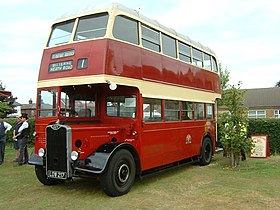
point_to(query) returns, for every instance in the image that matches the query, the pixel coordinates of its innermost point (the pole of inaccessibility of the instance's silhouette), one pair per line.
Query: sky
(243, 34)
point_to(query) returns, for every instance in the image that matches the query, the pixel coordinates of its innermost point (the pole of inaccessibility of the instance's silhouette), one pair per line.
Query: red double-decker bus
(121, 96)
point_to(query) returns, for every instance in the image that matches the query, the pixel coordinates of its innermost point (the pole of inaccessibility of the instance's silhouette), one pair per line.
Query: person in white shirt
(22, 137)
(15, 132)
(4, 128)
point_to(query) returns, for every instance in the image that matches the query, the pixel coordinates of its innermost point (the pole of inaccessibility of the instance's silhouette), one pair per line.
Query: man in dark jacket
(22, 136)
(15, 132)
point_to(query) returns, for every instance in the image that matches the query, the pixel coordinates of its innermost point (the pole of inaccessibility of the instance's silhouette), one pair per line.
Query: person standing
(15, 132)
(22, 135)
(4, 127)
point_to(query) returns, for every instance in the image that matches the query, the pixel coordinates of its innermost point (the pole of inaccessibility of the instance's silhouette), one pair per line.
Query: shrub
(270, 127)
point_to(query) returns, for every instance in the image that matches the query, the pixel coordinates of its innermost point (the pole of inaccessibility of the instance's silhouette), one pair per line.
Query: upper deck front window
(90, 27)
(61, 33)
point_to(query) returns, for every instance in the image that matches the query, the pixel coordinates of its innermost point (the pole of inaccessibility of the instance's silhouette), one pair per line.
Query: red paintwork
(116, 58)
(157, 143)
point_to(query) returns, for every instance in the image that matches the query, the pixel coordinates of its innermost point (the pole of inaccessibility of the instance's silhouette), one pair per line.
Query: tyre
(120, 174)
(42, 176)
(206, 152)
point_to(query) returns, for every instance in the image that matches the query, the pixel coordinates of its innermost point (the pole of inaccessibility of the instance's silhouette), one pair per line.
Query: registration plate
(57, 174)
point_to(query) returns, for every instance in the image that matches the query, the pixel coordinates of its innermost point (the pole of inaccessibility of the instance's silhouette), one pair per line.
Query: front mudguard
(35, 159)
(98, 161)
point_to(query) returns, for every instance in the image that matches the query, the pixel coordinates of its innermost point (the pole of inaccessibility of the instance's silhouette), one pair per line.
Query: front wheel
(206, 152)
(120, 174)
(42, 176)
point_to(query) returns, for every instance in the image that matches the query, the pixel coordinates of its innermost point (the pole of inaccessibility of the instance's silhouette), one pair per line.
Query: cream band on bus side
(148, 89)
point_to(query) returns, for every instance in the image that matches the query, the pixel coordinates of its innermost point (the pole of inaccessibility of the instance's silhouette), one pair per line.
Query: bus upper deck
(119, 45)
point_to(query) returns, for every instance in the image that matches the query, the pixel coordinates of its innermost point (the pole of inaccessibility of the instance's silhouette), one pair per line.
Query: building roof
(16, 104)
(5, 93)
(262, 97)
(28, 106)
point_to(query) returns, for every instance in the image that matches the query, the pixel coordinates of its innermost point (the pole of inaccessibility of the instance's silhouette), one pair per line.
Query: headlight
(41, 152)
(74, 155)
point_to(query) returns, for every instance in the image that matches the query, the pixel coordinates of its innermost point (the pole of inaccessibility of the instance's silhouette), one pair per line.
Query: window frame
(53, 103)
(183, 53)
(198, 111)
(172, 113)
(205, 65)
(150, 40)
(115, 27)
(277, 113)
(151, 103)
(208, 114)
(167, 42)
(197, 58)
(256, 115)
(190, 111)
(71, 23)
(120, 111)
(83, 19)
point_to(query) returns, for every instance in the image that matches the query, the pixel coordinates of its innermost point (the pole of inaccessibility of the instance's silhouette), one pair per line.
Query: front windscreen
(61, 33)
(78, 101)
(47, 103)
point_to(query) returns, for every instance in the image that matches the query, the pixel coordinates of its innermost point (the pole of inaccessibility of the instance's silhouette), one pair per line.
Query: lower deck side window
(187, 110)
(175, 110)
(121, 106)
(152, 110)
(199, 111)
(171, 110)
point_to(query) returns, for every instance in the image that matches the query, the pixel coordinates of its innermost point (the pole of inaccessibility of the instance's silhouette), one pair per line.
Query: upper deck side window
(184, 52)
(169, 46)
(126, 29)
(93, 26)
(61, 33)
(150, 38)
(207, 61)
(197, 57)
(214, 64)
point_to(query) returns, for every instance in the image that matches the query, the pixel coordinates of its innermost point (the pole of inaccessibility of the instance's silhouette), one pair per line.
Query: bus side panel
(124, 60)
(134, 62)
(165, 143)
(151, 146)
(151, 66)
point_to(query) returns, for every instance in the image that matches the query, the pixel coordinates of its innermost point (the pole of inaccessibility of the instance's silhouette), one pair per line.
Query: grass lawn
(254, 185)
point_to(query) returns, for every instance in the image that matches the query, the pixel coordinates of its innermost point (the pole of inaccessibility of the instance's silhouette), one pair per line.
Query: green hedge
(271, 127)
(13, 122)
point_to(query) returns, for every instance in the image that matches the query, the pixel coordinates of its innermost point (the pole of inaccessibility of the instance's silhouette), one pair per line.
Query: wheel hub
(123, 173)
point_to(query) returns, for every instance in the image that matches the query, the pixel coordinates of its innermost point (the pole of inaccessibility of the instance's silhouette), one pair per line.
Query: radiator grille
(57, 143)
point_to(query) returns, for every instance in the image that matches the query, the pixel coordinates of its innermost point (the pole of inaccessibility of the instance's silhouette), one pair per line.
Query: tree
(233, 124)
(6, 103)
(224, 77)
(277, 84)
